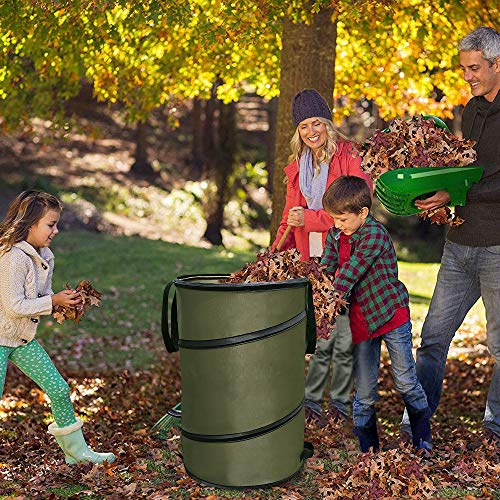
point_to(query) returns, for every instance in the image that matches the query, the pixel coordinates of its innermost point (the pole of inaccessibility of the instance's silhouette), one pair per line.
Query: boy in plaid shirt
(360, 257)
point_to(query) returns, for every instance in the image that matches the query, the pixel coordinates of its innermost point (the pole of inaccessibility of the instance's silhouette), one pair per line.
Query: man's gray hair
(485, 40)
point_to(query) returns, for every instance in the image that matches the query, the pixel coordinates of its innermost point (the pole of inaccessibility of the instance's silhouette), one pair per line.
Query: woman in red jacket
(320, 154)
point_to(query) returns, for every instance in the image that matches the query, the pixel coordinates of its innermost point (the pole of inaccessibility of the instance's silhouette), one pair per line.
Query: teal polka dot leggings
(32, 360)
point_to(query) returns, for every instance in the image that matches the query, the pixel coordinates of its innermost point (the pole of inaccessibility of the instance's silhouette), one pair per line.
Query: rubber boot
(72, 442)
(420, 429)
(368, 435)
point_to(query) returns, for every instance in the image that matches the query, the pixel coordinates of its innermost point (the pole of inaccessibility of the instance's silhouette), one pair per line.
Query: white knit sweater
(25, 292)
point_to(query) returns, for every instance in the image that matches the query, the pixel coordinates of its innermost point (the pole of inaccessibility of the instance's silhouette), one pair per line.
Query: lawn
(123, 380)
(131, 273)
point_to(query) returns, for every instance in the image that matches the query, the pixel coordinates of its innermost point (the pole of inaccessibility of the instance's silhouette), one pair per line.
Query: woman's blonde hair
(326, 151)
(25, 210)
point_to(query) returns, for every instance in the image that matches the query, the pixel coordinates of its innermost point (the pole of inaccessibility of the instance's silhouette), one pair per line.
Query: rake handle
(283, 238)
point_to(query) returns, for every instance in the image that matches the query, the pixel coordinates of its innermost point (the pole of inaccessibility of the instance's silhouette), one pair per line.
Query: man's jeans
(336, 351)
(466, 274)
(366, 369)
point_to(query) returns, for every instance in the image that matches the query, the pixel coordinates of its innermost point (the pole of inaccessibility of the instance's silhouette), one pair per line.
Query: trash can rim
(187, 281)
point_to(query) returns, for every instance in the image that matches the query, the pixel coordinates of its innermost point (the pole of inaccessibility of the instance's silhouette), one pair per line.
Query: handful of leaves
(287, 265)
(89, 297)
(416, 143)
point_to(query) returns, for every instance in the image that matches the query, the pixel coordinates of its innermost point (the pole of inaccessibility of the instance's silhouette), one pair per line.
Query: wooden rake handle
(283, 238)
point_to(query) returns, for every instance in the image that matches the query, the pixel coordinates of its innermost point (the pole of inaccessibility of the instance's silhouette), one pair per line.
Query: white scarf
(312, 187)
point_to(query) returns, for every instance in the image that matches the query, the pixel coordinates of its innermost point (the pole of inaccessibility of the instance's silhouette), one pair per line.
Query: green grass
(131, 273)
(70, 490)
(461, 492)
(420, 279)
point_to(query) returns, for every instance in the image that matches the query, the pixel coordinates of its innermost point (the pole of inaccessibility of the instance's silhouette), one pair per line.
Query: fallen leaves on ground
(119, 408)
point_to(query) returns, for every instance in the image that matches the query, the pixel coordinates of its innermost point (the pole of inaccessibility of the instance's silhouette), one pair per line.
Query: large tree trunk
(307, 61)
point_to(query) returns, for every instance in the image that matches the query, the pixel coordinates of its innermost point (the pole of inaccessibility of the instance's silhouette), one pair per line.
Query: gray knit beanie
(308, 103)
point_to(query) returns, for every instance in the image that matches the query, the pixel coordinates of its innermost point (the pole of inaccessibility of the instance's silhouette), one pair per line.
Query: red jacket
(344, 162)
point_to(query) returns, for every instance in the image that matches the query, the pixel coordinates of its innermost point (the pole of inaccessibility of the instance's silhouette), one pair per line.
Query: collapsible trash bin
(242, 367)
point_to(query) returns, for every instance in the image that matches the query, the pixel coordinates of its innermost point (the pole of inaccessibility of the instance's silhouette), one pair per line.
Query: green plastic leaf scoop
(398, 189)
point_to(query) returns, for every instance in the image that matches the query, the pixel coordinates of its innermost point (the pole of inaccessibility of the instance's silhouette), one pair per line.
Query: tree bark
(220, 143)
(272, 120)
(141, 165)
(209, 134)
(197, 140)
(307, 61)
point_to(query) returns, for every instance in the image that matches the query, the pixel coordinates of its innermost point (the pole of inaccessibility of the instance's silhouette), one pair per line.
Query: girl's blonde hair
(25, 210)
(326, 151)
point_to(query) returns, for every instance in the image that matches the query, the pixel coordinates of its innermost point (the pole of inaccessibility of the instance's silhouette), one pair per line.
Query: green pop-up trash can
(242, 367)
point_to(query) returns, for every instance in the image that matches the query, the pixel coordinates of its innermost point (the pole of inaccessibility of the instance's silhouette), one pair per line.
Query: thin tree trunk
(209, 135)
(456, 124)
(272, 119)
(141, 165)
(222, 168)
(219, 152)
(307, 61)
(197, 141)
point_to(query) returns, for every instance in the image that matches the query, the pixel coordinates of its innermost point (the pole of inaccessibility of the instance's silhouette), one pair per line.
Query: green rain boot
(72, 442)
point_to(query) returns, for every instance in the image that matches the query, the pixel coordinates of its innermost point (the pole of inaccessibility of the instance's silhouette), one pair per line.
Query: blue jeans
(466, 274)
(366, 368)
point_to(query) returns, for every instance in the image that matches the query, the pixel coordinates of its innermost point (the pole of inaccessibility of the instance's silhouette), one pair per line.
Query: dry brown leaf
(416, 143)
(89, 297)
(287, 265)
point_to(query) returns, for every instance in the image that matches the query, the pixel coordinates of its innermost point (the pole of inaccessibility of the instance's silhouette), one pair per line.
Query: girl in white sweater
(26, 266)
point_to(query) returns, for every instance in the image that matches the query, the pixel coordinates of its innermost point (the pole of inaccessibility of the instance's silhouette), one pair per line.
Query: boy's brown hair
(347, 194)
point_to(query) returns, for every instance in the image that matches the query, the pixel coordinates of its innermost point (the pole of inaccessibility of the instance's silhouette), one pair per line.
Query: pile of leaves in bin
(417, 142)
(287, 265)
(89, 297)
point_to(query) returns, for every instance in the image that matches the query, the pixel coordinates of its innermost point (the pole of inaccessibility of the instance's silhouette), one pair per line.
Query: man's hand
(437, 200)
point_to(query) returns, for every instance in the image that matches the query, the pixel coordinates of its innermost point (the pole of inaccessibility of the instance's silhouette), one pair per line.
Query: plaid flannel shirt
(371, 274)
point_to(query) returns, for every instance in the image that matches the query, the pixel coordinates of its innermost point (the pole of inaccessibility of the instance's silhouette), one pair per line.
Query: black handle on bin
(311, 322)
(171, 340)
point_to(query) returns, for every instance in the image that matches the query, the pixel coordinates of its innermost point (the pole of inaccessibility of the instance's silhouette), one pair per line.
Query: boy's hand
(66, 298)
(296, 217)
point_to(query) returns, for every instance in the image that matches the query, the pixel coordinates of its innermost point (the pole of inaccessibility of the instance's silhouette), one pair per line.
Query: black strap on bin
(311, 322)
(171, 340)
